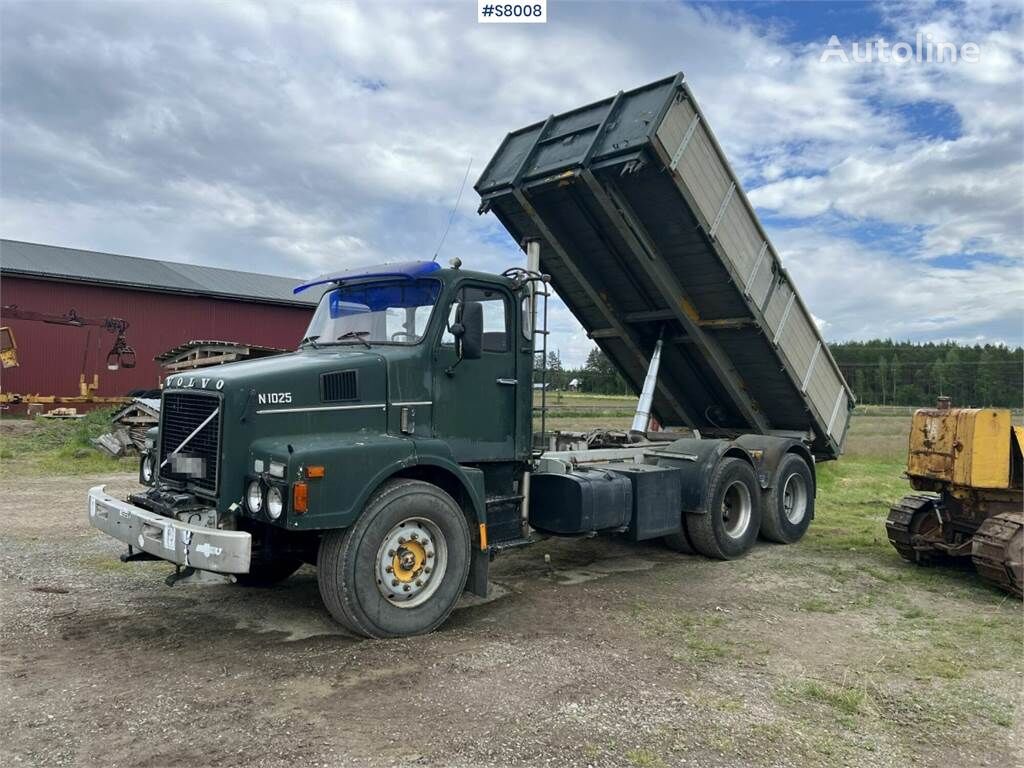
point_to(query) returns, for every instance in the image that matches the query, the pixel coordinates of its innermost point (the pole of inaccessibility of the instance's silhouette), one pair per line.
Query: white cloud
(963, 193)
(863, 293)
(294, 139)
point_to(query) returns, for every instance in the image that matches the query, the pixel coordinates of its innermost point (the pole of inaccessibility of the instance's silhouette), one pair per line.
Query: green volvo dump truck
(395, 450)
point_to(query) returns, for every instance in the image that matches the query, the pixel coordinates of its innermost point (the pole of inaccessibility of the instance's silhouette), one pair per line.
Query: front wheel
(401, 568)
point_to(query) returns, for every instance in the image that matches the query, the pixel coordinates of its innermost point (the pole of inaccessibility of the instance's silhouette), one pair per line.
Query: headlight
(147, 468)
(275, 502)
(254, 496)
(276, 469)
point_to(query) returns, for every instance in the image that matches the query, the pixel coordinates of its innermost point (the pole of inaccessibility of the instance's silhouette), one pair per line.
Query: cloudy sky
(294, 140)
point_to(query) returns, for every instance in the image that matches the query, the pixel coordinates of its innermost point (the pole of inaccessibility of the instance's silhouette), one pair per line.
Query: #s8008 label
(535, 12)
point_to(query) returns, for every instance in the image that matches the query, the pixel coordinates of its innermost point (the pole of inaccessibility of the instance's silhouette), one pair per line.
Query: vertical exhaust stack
(642, 419)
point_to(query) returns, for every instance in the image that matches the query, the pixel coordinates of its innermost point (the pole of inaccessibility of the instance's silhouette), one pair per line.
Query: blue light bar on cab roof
(407, 269)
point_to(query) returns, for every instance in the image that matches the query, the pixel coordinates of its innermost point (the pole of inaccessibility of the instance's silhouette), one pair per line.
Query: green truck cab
(394, 449)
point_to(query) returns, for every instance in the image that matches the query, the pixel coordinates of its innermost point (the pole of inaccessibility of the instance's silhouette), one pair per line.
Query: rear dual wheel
(790, 504)
(729, 527)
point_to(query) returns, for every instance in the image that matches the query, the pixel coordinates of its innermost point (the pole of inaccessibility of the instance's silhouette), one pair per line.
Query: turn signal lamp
(300, 497)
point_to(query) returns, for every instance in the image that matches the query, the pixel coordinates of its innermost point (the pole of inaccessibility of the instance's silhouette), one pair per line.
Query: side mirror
(469, 330)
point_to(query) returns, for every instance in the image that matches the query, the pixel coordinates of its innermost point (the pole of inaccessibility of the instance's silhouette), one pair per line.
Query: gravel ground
(610, 654)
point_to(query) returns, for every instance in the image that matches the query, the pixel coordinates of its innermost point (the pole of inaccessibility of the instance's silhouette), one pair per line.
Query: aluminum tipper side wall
(646, 232)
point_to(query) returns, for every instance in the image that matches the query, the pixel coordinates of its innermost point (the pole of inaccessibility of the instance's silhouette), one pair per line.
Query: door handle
(508, 382)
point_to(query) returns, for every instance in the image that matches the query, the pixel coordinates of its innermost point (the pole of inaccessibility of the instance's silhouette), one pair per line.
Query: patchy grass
(60, 447)
(854, 496)
(939, 630)
(645, 758)
(877, 433)
(611, 419)
(844, 699)
(910, 650)
(583, 422)
(586, 399)
(819, 605)
(592, 751)
(690, 636)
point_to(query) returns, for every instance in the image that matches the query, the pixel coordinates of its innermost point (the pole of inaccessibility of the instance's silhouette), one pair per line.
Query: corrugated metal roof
(53, 262)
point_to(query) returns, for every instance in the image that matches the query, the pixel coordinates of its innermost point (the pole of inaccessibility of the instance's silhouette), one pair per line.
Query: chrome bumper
(209, 549)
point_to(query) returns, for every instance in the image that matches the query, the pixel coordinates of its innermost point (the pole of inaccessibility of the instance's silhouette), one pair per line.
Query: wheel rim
(794, 498)
(411, 562)
(736, 509)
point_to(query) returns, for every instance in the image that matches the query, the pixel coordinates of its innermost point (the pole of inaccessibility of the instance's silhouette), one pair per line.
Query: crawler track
(998, 551)
(900, 527)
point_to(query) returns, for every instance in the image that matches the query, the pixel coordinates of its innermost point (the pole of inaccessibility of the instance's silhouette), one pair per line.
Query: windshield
(382, 312)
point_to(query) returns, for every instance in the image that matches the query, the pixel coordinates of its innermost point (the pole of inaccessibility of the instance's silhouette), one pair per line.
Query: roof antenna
(451, 216)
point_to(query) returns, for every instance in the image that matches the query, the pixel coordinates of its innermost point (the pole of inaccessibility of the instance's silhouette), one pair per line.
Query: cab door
(475, 400)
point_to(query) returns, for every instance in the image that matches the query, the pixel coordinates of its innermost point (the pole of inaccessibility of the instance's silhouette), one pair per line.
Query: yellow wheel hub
(408, 561)
(411, 562)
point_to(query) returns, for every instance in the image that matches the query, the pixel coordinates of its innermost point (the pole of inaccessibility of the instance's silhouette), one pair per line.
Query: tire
(412, 533)
(730, 526)
(680, 542)
(266, 573)
(790, 505)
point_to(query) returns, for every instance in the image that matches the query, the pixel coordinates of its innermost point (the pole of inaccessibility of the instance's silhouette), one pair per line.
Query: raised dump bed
(646, 232)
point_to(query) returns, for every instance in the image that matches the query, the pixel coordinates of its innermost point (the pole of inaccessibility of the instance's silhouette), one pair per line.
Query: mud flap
(479, 567)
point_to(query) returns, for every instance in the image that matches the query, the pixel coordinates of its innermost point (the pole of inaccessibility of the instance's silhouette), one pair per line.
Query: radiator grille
(180, 414)
(340, 385)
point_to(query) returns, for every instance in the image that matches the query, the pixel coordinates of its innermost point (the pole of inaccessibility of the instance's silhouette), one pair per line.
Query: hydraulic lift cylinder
(642, 419)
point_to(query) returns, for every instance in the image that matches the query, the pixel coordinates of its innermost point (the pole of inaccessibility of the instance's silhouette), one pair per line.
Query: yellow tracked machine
(969, 463)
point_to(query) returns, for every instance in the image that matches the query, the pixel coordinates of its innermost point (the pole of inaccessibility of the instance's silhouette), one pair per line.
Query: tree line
(886, 372)
(880, 372)
(597, 376)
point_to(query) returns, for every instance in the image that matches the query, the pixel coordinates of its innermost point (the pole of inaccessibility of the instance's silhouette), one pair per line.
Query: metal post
(524, 507)
(544, 375)
(642, 419)
(533, 266)
(534, 286)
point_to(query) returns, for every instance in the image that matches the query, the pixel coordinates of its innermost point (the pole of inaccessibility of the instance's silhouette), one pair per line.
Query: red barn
(165, 304)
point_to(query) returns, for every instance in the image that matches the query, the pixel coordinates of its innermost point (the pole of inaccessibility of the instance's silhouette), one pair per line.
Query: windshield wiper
(357, 335)
(311, 340)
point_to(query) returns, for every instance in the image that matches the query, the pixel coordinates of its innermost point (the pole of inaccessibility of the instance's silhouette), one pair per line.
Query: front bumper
(209, 549)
